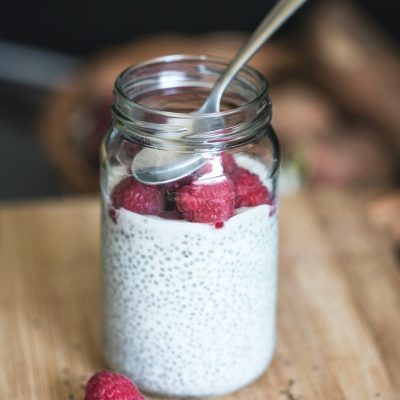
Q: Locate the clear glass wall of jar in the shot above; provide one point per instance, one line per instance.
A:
(190, 267)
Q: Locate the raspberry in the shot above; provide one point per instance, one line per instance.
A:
(107, 385)
(137, 197)
(249, 189)
(207, 203)
(229, 163)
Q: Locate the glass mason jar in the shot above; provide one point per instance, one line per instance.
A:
(190, 266)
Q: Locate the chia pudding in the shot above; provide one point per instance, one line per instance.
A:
(189, 307)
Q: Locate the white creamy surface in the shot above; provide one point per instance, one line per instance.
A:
(190, 309)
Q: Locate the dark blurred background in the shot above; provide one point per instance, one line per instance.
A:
(334, 70)
(81, 28)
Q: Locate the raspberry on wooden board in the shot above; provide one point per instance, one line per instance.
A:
(107, 385)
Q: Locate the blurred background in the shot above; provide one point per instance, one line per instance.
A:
(334, 72)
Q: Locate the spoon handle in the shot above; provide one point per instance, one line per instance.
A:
(274, 19)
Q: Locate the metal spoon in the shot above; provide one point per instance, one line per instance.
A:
(154, 167)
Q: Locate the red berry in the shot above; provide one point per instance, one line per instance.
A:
(207, 203)
(249, 189)
(107, 385)
(137, 197)
(229, 163)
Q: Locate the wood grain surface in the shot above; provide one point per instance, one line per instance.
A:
(338, 309)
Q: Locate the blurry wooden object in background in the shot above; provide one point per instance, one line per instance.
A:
(342, 120)
(384, 212)
(301, 112)
(351, 155)
(357, 64)
(330, 147)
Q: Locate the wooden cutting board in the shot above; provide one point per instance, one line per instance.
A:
(338, 308)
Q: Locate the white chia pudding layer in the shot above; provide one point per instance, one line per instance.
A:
(189, 310)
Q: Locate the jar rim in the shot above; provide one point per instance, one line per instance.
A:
(118, 87)
(246, 121)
